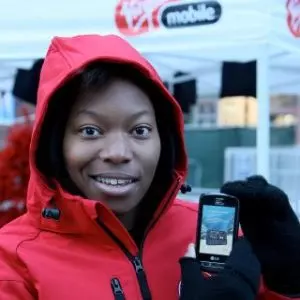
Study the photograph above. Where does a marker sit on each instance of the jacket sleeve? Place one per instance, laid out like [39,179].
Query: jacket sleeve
[269,295]
[13,282]
[14,290]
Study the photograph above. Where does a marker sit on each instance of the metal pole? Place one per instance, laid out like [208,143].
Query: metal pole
[263,120]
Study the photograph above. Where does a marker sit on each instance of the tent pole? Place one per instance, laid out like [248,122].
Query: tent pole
[263,120]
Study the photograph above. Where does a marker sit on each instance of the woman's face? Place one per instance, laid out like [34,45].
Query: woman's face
[112,145]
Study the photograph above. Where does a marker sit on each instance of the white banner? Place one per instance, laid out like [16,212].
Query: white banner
[26,27]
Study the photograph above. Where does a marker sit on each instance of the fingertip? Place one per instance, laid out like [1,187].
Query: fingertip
[191,252]
[258,179]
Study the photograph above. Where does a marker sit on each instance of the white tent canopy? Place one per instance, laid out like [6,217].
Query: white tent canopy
[239,31]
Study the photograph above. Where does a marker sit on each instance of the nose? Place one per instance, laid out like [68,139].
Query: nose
[116,150]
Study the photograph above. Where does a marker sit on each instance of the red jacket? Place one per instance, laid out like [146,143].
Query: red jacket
[62,252]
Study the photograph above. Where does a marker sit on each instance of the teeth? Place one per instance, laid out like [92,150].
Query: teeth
[114,181]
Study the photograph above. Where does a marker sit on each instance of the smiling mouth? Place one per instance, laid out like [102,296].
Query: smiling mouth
[114,181]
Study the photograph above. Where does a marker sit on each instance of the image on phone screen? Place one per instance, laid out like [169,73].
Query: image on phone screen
[217,229]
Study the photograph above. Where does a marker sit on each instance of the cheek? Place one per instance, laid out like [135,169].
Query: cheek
[157,150]
[152,155]
[75,153]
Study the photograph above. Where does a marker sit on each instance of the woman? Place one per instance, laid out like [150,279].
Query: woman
[107,161]
[14,157]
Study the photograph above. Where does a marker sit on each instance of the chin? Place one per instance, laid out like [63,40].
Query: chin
[119,205]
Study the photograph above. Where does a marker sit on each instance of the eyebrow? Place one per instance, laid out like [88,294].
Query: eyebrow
[96,115]
[86,112]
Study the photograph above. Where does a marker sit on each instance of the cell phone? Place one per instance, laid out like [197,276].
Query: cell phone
[217,230]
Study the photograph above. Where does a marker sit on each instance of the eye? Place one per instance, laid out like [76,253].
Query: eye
[90,132]
[142,132]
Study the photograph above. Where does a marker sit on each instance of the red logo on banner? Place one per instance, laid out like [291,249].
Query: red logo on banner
[134,17]
[293,7]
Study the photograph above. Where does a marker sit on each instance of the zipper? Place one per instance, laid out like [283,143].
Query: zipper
[141,275]
[136,260]
[136,263]
[117,289]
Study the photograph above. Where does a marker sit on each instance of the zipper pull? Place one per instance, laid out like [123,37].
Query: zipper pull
[141,275]
[117,289]
[137,264]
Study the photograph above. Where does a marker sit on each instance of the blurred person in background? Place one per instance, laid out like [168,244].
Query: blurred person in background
[14,171]
[14,156]
[107,161]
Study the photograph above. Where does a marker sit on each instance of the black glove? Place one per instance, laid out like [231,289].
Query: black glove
[273,229]
[238,281]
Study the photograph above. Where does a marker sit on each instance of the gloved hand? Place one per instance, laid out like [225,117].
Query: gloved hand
[271,226]
[238,281]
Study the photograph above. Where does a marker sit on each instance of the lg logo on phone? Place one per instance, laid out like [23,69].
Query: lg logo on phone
[219,202]
[214,258]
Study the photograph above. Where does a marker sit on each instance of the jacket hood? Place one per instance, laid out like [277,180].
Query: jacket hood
[65,57]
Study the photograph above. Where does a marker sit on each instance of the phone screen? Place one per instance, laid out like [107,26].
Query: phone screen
[217,230]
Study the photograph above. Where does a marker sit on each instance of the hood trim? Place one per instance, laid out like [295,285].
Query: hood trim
[50,82]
